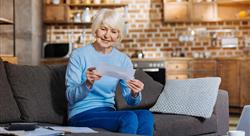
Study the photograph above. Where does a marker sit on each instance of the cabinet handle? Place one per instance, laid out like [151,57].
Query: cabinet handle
[222,74]
[176,66]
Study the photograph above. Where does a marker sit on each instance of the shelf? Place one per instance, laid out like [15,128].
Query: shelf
[99,5]
[66,23]
[204,3]
[5,21]
[238,19]
[173,2]
[8,58]
[234,2]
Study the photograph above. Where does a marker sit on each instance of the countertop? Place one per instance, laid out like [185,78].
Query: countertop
[65,59]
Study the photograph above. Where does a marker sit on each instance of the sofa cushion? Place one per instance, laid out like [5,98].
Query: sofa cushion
[194,96]
[150,93]
[9,109]
[39,92]
[182,125]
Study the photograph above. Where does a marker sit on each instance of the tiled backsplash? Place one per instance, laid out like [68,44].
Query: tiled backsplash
[148,31]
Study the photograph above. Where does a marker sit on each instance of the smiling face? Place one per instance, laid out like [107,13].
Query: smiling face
[108,29]
[106,36]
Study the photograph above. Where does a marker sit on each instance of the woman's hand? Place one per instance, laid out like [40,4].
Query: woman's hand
[92,75]
[136,86]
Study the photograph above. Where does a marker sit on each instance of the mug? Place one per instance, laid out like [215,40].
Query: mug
[236,133]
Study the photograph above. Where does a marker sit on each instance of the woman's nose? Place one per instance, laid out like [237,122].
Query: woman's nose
[107,34]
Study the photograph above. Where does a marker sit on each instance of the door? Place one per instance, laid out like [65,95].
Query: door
[228,70]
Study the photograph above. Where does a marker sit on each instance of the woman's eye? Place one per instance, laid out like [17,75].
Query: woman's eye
[114,31]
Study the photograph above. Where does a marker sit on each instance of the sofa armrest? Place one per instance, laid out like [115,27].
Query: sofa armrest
[221,111]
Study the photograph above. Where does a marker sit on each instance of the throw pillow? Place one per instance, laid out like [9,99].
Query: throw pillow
[195,97]
[9,109]
[39,92]
[150,93]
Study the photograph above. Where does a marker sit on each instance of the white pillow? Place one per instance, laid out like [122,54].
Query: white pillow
[195,97]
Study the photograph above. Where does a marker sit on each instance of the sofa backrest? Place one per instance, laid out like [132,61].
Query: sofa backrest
[9,111]
[39,92]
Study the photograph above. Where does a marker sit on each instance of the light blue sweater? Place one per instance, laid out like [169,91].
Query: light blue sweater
[102,93]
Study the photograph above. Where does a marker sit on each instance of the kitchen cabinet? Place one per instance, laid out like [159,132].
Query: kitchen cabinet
[234,73]
[190,68]
[176,69]
[229,71]
[204,11]
[233,10]
[196,10]
[189,11]
[71,12]
[202,68]
[7,28]
[57,13]
[244,82]
[176,11]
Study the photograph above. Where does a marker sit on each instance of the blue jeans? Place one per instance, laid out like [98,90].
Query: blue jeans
[130,122]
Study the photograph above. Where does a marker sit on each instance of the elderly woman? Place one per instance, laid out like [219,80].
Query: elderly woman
[90,95]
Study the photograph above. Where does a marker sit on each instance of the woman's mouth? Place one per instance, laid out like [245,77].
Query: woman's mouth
[106,41]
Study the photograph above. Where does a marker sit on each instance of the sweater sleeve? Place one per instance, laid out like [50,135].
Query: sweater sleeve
[126,91]
[75,80]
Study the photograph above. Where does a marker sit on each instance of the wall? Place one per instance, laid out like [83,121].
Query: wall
[157,39]
[28,31]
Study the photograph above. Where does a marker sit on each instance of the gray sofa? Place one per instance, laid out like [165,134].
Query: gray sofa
[37,94]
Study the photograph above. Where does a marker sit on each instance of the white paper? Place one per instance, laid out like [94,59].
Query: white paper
[116,72]
[73,129]
[37,132]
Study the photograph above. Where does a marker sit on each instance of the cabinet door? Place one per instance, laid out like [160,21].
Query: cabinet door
[174,12]
[176,69]
[244,82]
[56,13]
[233,10]
[228,70]
[202,68]
[204,11]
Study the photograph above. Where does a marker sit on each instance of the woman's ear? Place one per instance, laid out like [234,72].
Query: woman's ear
[95,34]
[119,38]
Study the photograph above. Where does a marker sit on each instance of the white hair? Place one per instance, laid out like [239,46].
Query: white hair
[111,18]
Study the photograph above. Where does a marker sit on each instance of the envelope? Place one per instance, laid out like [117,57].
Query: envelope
[115,71]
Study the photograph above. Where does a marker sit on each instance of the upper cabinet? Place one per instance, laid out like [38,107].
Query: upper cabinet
[74,11]
[176,11]
[206,10]
[203,11]
[233,10]
[56,13]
